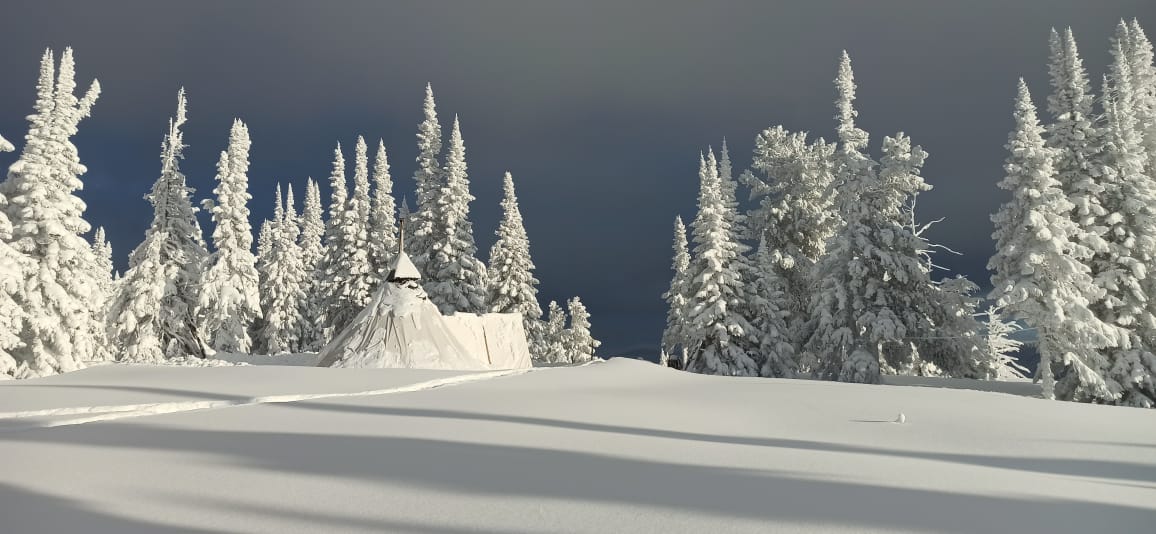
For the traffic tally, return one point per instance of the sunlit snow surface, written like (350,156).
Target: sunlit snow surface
(621,446)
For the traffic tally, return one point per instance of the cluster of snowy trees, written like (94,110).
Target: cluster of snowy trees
(61,306)
(1076,242)
(828,274)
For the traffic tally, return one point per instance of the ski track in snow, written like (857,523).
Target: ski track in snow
(95,414)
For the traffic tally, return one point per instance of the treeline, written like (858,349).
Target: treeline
(61,305)
(829,275)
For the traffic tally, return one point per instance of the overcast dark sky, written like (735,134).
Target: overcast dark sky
(598,109)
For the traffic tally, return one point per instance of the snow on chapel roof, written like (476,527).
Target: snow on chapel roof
(403,269)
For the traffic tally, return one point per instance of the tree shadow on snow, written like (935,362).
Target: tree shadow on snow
(1058,466)
(448,468)
(28,512)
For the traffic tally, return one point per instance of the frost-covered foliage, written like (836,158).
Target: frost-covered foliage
(677,332)
(1075,138)
(720,336)
(873,282)
(1001,362)
(1039,274)
(283,284)
(382,218)
(580,344)
(312,253)
(771,305)
(363,279)
(344,276)
(13,266)
(1138,50)
(158,294)
(513,288)
(420,229)
(454,278)
(1122,271)
(105,285)
(554,334)
(58,291)
(795,215)
(265,238)
(229,301)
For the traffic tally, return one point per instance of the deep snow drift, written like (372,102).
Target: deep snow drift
(621,446)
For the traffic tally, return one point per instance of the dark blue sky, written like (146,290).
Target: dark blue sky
(598,109)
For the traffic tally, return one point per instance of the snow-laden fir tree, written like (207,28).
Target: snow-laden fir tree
(1140,61)
(283,278)
(103,274)
(363,278)
(938,318)
(1123,271)
(580,344)
(1001,363)
(1075,138)
(554,335)
(720,335)
(158,294)
(454,278)
(13,265)
(428,177)
(312,254)
(382,218)
(676,334)
(229,302)
(776,344)
(1038,268)
(872,275)
(57,293)
(795,215)
(264,239)
(513,288)
(345,274)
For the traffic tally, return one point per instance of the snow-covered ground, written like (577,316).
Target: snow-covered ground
(621,446)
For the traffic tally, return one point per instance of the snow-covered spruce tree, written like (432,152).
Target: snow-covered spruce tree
(363,278)
(1140,62)
(1123,272)
(720,336)
(1075,138)
(795,215)
(1001,362)
(345,276)
(382,218)
(266,237)
(939,318)
(57,293)
(1038,269)
(428,177)
(283,277)
(513,288)
(312,254)
(229,301)
(454,278)
(13,266)
(102,274)
(136,317)
(580,345)
(554,335)
(775,345)
(168,263)
(676,333)
(871,276)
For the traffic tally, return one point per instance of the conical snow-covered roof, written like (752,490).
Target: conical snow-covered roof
(403,269)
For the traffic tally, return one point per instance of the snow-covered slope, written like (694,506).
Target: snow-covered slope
(621,446)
